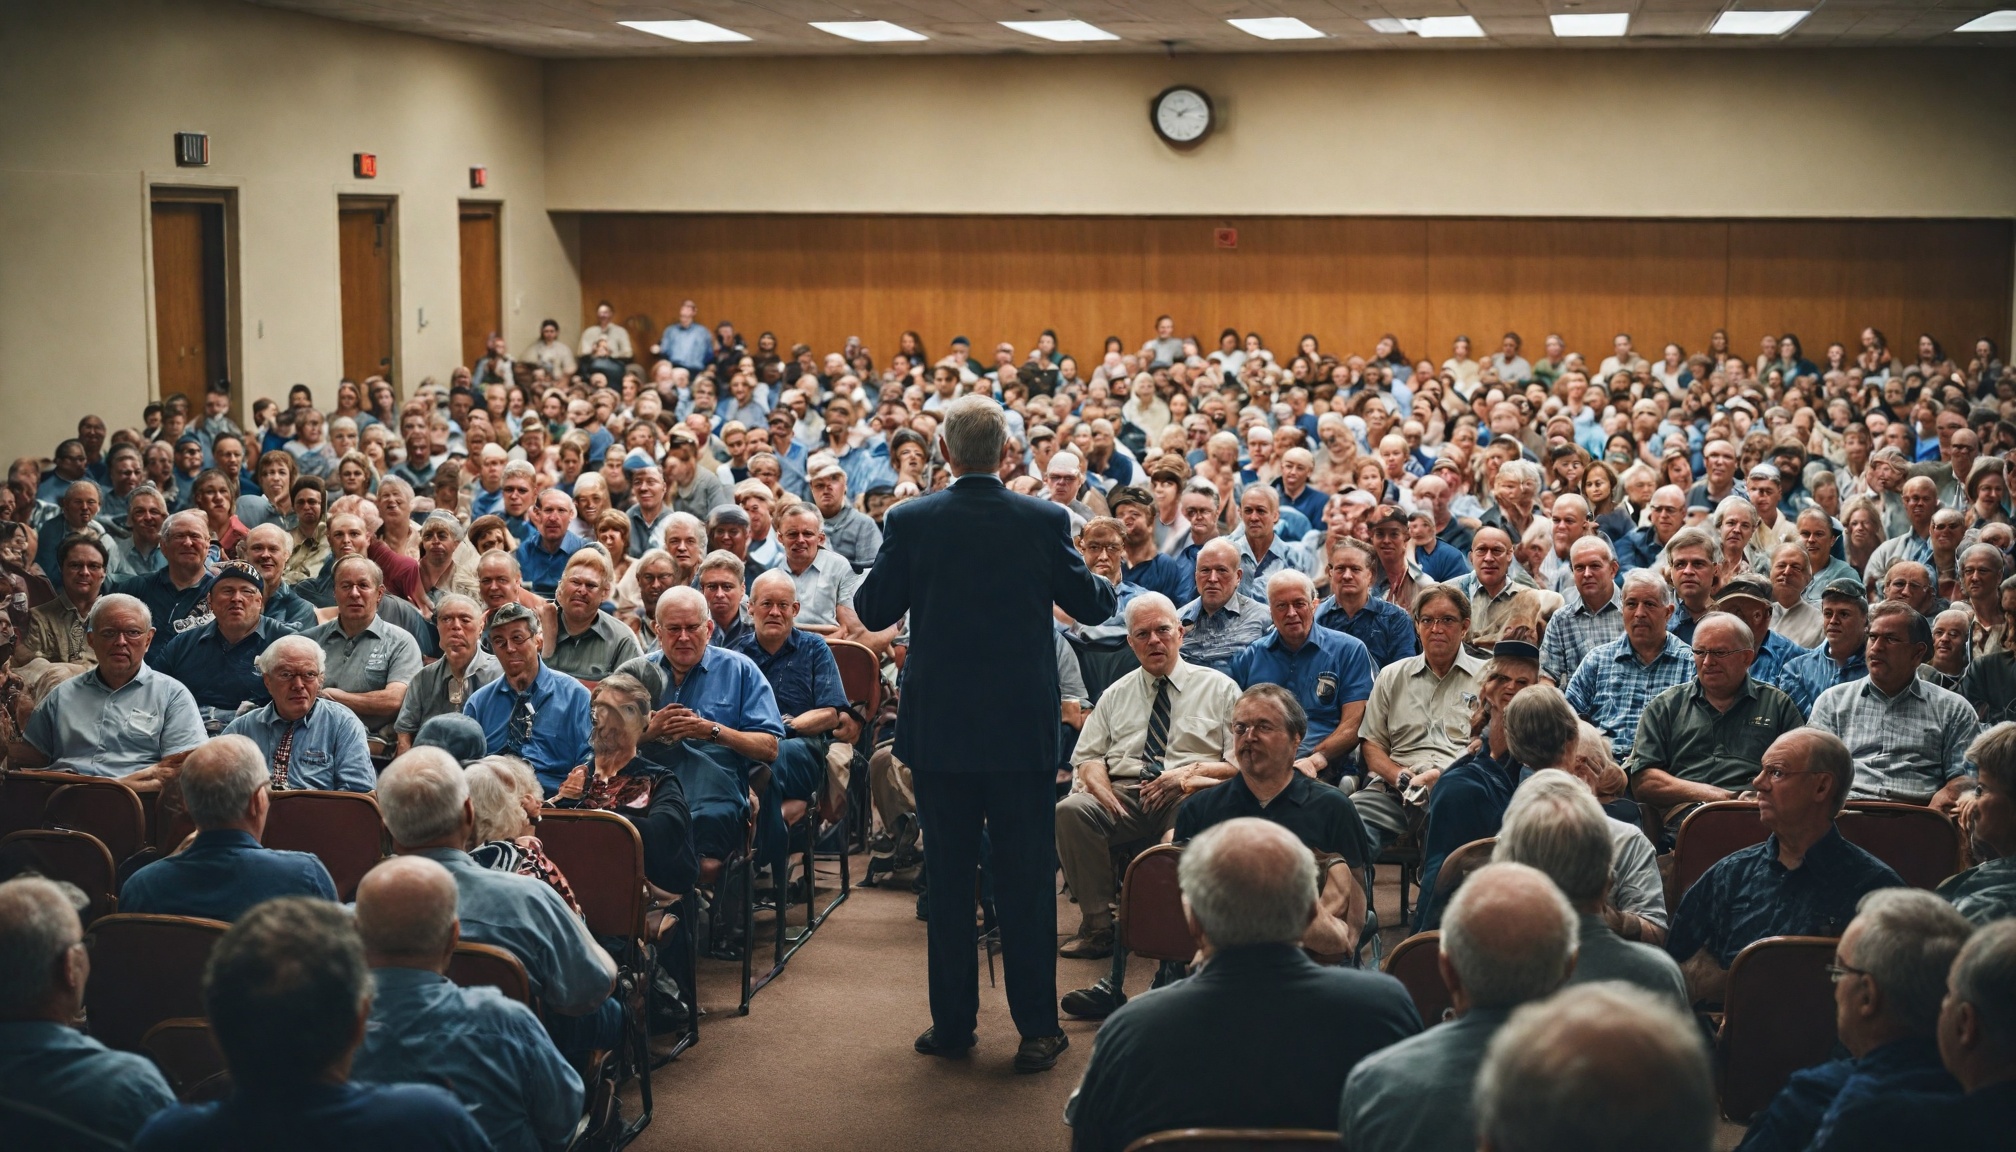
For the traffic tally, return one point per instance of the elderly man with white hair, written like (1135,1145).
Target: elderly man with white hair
(1282,1031)
(120,718)
(311,742)
(1508,938)
(227,789)
(1328,672)
(1160,732)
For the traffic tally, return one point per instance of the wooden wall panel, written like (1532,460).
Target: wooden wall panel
(1346,280)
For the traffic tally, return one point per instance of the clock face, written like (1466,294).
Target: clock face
(1182,115)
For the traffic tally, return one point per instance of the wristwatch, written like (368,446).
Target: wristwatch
(714,734)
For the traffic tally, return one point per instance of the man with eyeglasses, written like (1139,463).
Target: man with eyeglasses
(309,741)
(177,594)
(1221,621)
(55,630)
(1615,680)
(72,465)
(1328,673)
(1417,721)
(1160,733)
(1911,582)
(1501,594)
(1805,879)
(531,711)
(1908,736)
(216,661)
(1703,741)
(1694,566)
(1665,516)
(1590,618)
(121,718)
(1382,625)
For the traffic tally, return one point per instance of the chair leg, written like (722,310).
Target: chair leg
(748,930)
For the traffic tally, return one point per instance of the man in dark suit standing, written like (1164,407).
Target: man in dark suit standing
(978,568)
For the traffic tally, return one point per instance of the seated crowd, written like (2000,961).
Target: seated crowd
(1370,609)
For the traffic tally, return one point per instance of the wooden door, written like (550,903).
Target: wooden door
(482,279)
(364,231)
(189,306)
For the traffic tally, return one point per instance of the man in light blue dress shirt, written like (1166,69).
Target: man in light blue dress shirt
(531,711)
(310,742)
(121,718)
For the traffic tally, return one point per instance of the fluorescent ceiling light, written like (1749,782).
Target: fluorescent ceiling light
(1276,28)
(1757,23)
(1062,31)
(1430,27)
(2003,21)
(687,31)
(869,31)
(1592,24)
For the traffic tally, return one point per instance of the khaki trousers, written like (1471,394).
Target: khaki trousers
(1086,833)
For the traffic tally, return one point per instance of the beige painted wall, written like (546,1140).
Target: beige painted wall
(94,90)
(1628,133)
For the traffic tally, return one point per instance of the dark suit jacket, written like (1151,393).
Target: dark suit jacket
(977,567)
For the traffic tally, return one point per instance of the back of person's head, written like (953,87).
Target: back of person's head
(1540,727)
(1906,943)
(1598,1068)
(974,431)
(421,795)
(1554,824)
(496,784)
(38,927)
(219,779)
(285,987)
(1248,881)
(1984,979)
(406,909)
(458,735)
(1510,935)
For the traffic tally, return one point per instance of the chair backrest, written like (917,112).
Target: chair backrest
(1150,920)
(1779,1018)
(1102,664)
(343,829)
(1238,1140)
(24,795)
(146,969)
(488,966)
(1709,833)
(1922,845)
(602,857)
(72,857)
(1458,865)
(186,1050)
(860,675)
(1413,962)
(106,809)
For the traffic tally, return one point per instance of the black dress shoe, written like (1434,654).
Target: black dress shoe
(1094,1003)
(1040,1053)
(928,1045)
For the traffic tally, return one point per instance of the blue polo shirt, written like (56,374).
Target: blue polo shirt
(176,610)
(1329,671)
(221,875)
(1385,628)
(560,723)
(286,606)
(1172,576)
(218,673)
(540,568)
(802,672)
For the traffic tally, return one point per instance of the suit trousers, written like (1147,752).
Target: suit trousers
(1018,811)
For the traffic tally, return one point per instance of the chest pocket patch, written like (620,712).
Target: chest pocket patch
(312,758)
(379,659)
(1326,688)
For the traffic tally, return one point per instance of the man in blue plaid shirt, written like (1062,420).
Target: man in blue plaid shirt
(1616,679)
(1591,618)
(1908,736)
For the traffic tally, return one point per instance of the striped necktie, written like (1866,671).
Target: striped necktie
(1158,732)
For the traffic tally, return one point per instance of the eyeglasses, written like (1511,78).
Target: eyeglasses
(1778,775)
(295,676)
(130,635)
(1838,972)
(1717,654)
(1440,621)
(1256,728)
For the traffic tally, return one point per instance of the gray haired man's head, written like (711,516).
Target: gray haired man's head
(1509,939)
(1555,824)
(1248,881)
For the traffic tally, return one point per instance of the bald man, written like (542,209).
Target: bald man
(805,680)
(490,1051)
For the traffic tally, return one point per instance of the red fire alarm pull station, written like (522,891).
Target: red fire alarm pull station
(479,176)
(1225,237)
(365,165)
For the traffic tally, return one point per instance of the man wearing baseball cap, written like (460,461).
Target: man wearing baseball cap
(532,712)
(1144,564)
(215,660)
(1844,613)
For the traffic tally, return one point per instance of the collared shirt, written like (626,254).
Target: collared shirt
(1212,641)
(1200,720)
(55,632)
(595,651)
(1604,955)
(617,335)
(1420,719)
(1773,653)
(802,672)
(1613,686)
(1442,561)
(1906,747)
(133,561)
(1806,1112)
(542,569)
(560,722)
(1489,614)
(380,655)
(1400,594)
(331,749)
(1254,570)
(1574,631)
(729,635)
(702,496)
(854,536)
(1682,733)
(1416,1094)
(1805,676)
(175,609)
(528,919)
(55,1067)
(308,557)
(1320,816)
(87,727)
(286,606)
(826,583)
(492,1052)
(437,690)
(687,345)
(220,875)
(1836,569)
(218,673)
(1173,577)
(1985,892)
(1749,895)
(1329,671)
(1385,628)
(645,534)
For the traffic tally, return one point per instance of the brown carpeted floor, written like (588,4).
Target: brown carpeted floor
(823,1060)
